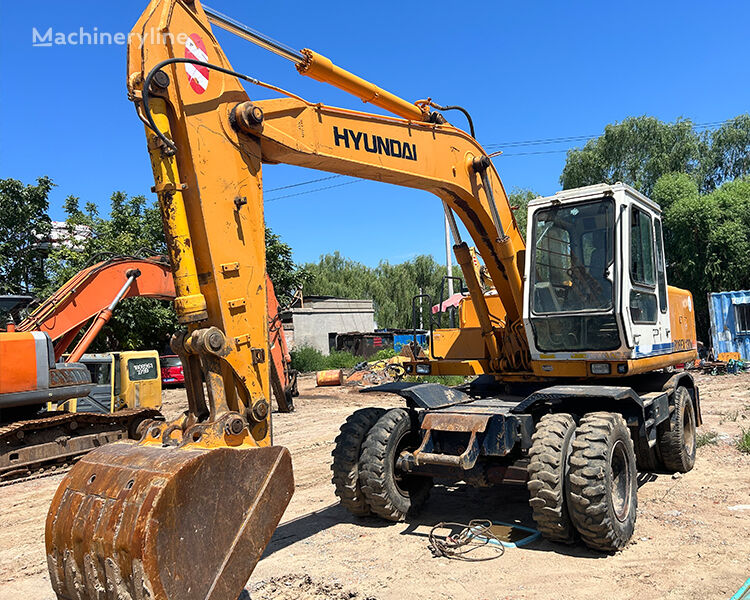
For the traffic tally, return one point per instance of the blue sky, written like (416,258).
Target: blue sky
(525,70)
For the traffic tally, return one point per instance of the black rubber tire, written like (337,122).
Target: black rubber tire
(677,437)
(391,495)
(602,479)
(346,455)
(551,446)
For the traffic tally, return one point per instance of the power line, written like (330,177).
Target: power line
(293,185)
(559,140)
(530,153)
(512,144)
(320,189)
(581,138)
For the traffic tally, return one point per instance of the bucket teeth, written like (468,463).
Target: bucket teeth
(138,522)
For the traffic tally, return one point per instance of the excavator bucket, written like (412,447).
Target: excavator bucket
(152,522)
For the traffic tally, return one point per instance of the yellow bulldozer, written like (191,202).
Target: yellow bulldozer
(571,344)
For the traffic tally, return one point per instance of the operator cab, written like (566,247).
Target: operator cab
(128,379)
(597,287)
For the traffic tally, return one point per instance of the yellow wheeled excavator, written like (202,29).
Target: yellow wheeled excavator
(571,383)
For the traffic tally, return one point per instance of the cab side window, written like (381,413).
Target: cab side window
(660,266)
(641,247)
(643,306)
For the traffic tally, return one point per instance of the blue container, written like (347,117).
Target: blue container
(402,339)
(730,322)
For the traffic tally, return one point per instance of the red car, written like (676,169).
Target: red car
(171,370)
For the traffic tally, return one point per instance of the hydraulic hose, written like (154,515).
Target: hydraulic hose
(157,68)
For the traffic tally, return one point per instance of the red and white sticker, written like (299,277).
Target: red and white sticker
(197,74)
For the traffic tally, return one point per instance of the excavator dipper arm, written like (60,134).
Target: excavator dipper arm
(186,512)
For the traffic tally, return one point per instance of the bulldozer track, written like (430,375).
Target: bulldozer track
(45,446)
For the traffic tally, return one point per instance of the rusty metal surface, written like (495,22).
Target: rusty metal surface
(69,374)
(450,421)
(141,522)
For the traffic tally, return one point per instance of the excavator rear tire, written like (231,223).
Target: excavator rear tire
(677,437)
(391,495)
(346,455)
(550,450)
(602,482)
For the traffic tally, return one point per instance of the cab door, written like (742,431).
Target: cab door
(645,305)
(100,399)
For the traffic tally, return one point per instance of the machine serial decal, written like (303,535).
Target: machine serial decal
(374,143)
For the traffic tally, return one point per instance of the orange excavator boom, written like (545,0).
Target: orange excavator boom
(87,295)
(91,291)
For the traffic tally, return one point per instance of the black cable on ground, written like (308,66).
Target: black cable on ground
(475,535)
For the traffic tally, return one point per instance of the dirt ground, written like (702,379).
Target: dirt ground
(689,542)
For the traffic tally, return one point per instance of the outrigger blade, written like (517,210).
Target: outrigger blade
(140,522)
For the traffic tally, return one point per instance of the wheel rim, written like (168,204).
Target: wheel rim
(688,429)
(621,480)
(400,478)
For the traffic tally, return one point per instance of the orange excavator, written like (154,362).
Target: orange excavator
(43,373)
(35,373)
(80,301)
(571,350)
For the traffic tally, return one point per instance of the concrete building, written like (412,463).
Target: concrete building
(312,323)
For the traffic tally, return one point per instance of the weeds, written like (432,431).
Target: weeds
(341,360)
(307,359)
(384,354)
(743,442)
(710,438)
(729,417)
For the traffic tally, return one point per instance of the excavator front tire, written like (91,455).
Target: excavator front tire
(550,450)
(346,455)
(391,495)
(602,482)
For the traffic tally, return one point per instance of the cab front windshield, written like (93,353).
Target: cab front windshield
(573,258)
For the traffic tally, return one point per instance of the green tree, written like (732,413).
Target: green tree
(391,287)
(726,153)
(636,151)
(286,276)
(132,229)
(672,187)
(708,242)
(519,201)
(24,234)
(700,181)
(334,275)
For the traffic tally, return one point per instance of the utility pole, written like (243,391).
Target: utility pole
(448,256)
(421,324)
